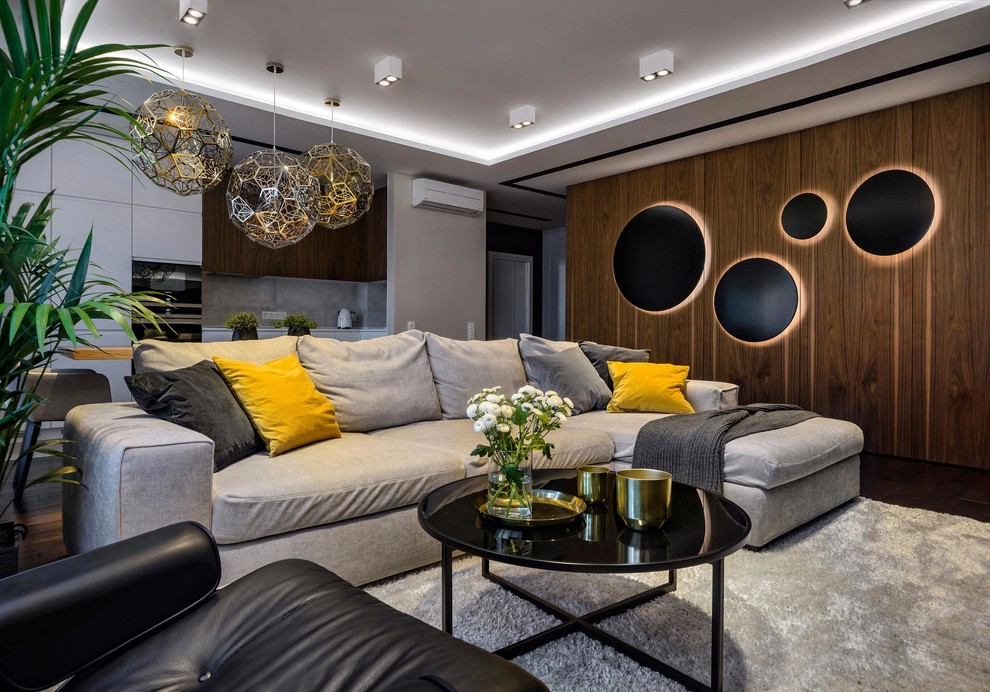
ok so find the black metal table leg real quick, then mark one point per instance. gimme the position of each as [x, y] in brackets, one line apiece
[446, 588]
[718, 622]
[587, 624]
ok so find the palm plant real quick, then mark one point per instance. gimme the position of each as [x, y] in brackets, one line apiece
[51, 93]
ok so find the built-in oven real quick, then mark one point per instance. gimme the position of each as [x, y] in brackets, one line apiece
[181, 287]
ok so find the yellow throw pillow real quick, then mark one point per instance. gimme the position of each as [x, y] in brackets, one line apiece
[281, 402]
[648, 387]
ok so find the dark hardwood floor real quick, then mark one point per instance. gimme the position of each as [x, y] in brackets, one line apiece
[906, 482]
[926, 485]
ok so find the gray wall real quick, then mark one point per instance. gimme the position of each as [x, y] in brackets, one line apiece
[436, 266]
[321, 300]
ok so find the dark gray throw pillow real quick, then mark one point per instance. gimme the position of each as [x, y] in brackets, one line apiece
[197, 398]
[569, 374]
[600, 355]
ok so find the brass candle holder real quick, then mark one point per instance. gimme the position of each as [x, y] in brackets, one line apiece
[643, 498]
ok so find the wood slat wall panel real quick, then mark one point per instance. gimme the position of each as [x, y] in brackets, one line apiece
[376, 237]
[961, 303]
[796, 256]
[899, 345]
[593, 286]
[867, 341]
[344, 254]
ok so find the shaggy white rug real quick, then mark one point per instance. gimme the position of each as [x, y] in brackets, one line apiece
[870, 596]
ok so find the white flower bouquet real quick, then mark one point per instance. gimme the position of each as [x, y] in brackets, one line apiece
[515, 428]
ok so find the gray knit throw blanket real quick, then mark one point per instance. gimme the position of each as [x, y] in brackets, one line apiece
[692, 446]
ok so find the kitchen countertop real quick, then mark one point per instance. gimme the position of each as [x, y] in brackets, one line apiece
[355, 334]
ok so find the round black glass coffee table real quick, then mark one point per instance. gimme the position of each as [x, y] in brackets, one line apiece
[703, 529]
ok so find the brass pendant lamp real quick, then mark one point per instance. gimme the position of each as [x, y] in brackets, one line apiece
[345, 186]
[180, 141]
[270, 193]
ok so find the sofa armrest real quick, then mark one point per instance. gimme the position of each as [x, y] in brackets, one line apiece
[140, 473]
[706, 395]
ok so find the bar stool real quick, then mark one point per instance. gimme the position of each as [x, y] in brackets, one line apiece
[60, 391]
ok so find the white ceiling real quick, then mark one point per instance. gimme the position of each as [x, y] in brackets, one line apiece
[466, 63]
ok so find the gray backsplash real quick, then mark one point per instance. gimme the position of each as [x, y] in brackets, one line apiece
[321, 300]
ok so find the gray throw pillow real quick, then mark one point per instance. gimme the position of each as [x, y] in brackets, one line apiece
[530, 345]
[197, 398]
[600, 355]
[569, 374]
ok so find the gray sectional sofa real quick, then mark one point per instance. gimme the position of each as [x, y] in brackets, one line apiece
[350, 503]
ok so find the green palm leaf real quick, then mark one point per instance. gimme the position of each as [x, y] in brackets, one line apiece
[49, 294]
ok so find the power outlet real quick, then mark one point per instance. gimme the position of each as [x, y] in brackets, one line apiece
[273, 315]
[470, 331]
[410, 324]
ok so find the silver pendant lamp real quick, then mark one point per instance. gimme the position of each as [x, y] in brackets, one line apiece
[180, 141]
[270, 193]
[344, 177]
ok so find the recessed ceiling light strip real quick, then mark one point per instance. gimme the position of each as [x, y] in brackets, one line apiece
[839, 91]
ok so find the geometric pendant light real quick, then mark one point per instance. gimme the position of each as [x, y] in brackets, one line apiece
[344, 178]
[270, 194]
[180, 141]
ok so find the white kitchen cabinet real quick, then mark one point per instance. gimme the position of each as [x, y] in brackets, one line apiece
[146, 194]
[111, 226]
[36, 174]
[81, 170]
[166, 235]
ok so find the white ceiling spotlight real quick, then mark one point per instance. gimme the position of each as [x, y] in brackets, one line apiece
[658, 64]
[192, 11]
[853, 3]
[388, 71]
[521, 117]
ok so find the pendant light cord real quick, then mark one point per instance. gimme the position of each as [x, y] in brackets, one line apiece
[333, 111]
[274, 75]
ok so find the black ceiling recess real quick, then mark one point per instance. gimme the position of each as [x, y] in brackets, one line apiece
[756, 299]
[804, 216]
[890, 212]
[659, 258]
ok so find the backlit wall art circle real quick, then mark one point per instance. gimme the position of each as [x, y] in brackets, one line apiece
[756, 299]
[659, 258]
[890, 212]
[804, 216]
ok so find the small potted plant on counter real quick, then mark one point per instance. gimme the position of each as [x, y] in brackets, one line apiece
[244, 326]
[298, 325]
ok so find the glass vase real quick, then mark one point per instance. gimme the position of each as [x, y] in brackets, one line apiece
[510, 486]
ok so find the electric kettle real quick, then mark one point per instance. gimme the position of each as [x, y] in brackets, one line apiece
[345, 319]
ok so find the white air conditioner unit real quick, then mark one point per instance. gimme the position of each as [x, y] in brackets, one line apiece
[454, 199]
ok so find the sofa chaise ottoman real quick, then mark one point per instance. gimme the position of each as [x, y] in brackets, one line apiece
[349, 504]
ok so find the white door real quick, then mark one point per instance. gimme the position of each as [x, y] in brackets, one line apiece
[510, 295]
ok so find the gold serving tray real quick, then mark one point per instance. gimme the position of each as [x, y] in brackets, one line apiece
[550, 508]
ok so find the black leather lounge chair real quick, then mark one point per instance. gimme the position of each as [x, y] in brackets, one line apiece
[145, 614]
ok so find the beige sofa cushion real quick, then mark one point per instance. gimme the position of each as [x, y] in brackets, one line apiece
[162, 356]
[707, 395]
[573, 447]
[764, 460]
[461, 369]
[775, 457]
[353, 476]
[378, 383]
